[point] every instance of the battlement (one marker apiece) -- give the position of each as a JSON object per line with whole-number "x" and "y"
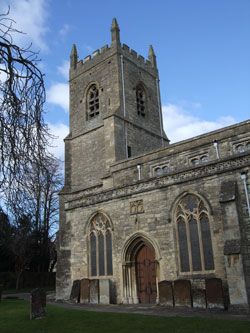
{"x": 91, "y": 60}
{"x": 139, "y": 59}
{"x": 107, "y": 51}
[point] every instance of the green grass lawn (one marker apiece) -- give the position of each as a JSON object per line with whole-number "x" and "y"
{"x": 14, "y": 318}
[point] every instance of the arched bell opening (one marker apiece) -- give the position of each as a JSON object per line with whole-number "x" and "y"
{"x": 140, "y": 272}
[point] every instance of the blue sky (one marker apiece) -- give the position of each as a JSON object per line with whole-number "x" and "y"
{"x": 202, "y": 48}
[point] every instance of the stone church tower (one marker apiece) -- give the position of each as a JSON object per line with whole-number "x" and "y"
{"x": 143, "y": 221}
{"x": 115, "y": 111}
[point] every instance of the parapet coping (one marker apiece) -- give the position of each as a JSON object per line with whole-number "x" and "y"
{"x": 173, "y": 148}
{"x": 98, "y": 54}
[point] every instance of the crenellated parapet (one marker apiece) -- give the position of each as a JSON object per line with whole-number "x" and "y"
{"x": 102, "y": 54}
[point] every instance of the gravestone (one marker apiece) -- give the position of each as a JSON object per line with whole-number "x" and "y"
{"x": 166, "y": 296}
{"x": 75, "y": 291}
{"x": 214, "y": 294}
{"x": 94, "y": 291}
{"x": 84, "y": 291}
{"x": 113, "y": 295}
{"x": 199, "y": 298}
{"x": 104, "y": 291}
{"x": 182, "y": 293}
{"x": 1, "y": 291}
{"x": 37, "y": 304}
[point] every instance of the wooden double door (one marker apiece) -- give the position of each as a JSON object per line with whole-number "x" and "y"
{"x": 146, "y": 275}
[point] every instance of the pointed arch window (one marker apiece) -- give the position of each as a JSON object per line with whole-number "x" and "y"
{"x": 93, "y": 101}
{"x": 193, "y": 235}
{"x": 100, "y": 246}
{"x": 140, "y": 101}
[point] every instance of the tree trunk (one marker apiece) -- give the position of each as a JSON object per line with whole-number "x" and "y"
{"x": 19, "y": 274}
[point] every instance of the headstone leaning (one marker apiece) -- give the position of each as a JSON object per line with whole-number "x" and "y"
{"x": 75, "y": 291}
{"x": 214, "y": 294}
{"x": 166, "y": 296}
{"x": 37, "y": 304}
{"x": 182, "y": 293}
{"x": 84, "y": 291}
{"x": 1, "y": 291}
{"x": 94, "y": 291}
{"x": 104, "y": 291}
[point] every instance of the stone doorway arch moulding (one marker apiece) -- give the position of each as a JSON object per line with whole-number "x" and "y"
{"x": 130, "y": 249}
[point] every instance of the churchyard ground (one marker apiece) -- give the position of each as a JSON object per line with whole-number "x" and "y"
{"x": 14, "y": 318}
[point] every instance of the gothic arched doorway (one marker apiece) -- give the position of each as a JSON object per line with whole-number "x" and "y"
{"x": 145, "y": 268}
{"x": 140, "y": 271}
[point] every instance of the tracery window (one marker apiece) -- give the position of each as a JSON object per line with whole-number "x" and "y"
{"x": 193, "y": 235}
{"x": 161, "y": 170}
{"x": 92, "y": 101}
{"x": 140, "y": 101}
{"x": 100, "y": 246}
{"x": 242, "y": 147}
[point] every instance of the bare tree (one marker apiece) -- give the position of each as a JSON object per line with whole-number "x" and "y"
{"x": 37, "y": 197}
{"x": 23, "y": 132}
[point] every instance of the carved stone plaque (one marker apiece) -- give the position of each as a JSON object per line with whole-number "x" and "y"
{"x": 214, "y": 294}
{"x": 136, "y": 207}
{"x": 182, "y": 293}
{"x": 104, "y": 288}
{"x": 84, "y": 291}
{"x": 94, "y": 291}
{"x": 199, "y": 298}
{"x": 166, "y": 296}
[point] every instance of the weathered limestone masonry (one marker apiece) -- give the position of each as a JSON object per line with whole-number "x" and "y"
{"x": 137, "y": 211}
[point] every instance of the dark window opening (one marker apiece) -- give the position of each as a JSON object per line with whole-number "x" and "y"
{"x": 129, "y": 151}
{"x": 92, "y": 101}
{"x": 140, "y": 101}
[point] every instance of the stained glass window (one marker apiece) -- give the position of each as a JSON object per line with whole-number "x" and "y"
{"x": 101, "y": 253}
{"x": 109, "y": 253}
{"x": 195, "y": 246}
{"x": 93, "y": 254}
{"x": 183, "y": 246}
{"x": 100, "y": 239}
{"x": 194, "y": 236}
{"x": 207, "y": 242}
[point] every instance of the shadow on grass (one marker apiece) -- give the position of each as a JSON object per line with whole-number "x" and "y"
{"x": 14, "y": 318}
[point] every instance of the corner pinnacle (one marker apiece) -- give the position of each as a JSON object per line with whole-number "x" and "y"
{"x": 73, "y": 56}
{"x": 115, "y": 32}
{"x": 152, "y": 56}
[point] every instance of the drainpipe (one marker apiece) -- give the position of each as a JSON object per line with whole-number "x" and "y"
{"x": 124, "y": 108}
{"x": 159, "y": 109}
{"x": 139, "y": 171}
{"x": 243, "y": 176}
{"x": 216, "y": 148}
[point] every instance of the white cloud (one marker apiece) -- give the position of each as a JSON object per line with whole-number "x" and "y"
{"x": 180, "y": 124}
{"x": 31, "y": 18}
{"x": 60, "y": 131}
{"x": 64, "y": 69}
{"x": 58, "y": 94}
{"x": 63, "y": 32}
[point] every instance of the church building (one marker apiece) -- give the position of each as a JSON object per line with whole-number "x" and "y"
{"x": 154, "y": 220}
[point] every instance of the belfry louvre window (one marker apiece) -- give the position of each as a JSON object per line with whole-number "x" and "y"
{"x": 100, "y": 246}
{"x": 140, "y": 101}
{"x": 93, "y": 101}
{"x": 193, "y": 235}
